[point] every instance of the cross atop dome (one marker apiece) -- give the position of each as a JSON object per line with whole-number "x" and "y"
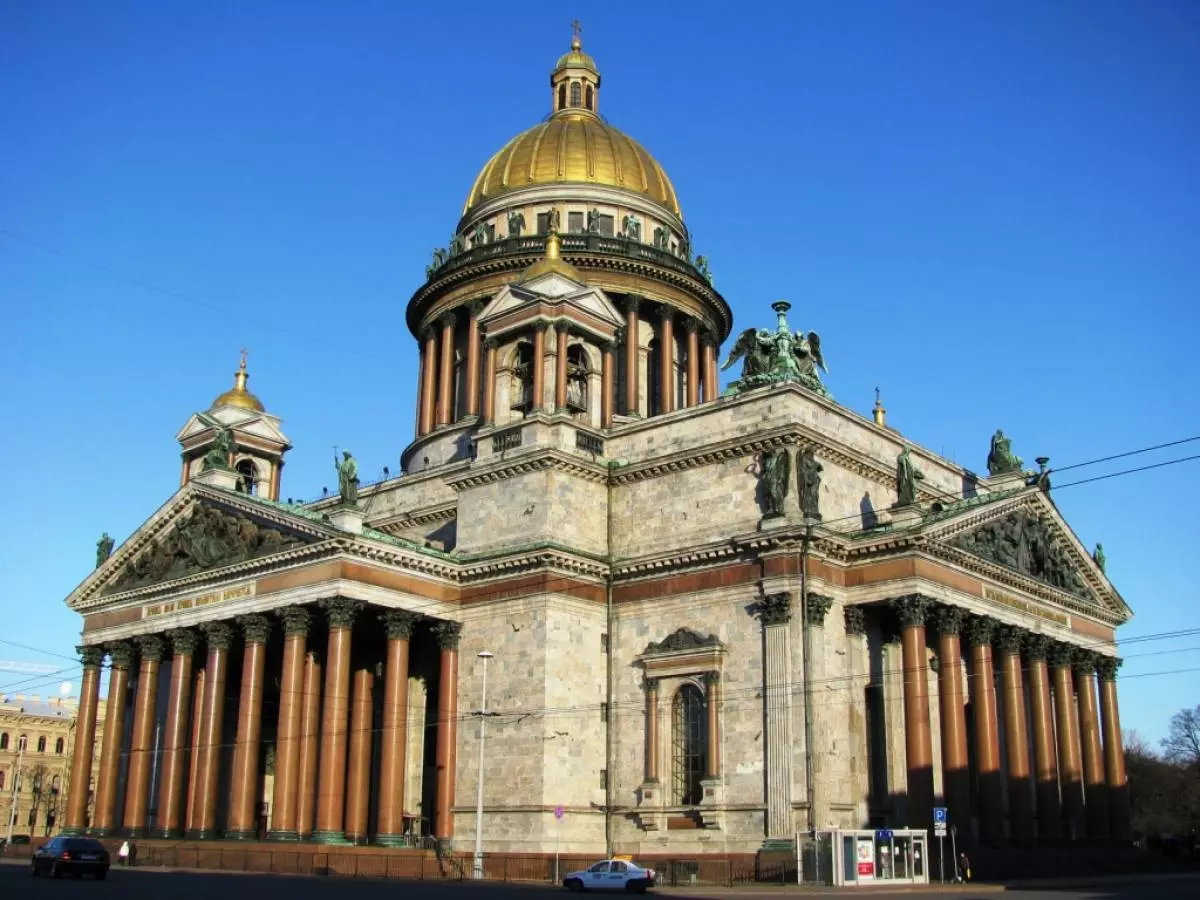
{"x": 575, "y": 80}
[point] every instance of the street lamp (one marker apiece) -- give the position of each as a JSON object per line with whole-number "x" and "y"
{"x": 478, "y": 867}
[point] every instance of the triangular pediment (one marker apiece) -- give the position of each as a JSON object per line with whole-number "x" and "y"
{"x": 555, "y": 290}
{"x": 201, "y": 530}
{"x": 1025, "y": 533}
{"x": 240, "y": 421}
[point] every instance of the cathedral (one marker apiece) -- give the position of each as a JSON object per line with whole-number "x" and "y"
{"x": 606, "y": 603}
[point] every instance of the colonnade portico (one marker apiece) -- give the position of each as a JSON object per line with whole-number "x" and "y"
{"x": 323, "y": 733}
{"x": 1065, "y": 773}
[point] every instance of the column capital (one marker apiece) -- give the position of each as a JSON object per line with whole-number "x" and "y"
{"x": 296, "y": 619}
{"x": 151, "y": 647}
{"x": 218, "y": 634}
{"x": 775, "y": 609}
{"x": 448, "y": 634}
{"x": 650, "y": 683}
{"x": 888, "y": 632}
{"x": 632, "y": 302}
{"x": 1084, "y": 662}
{"x": 1106, "y": 667}
{"x": 708, "y": 335}
{"x": 1009, "y": 639}
{"x": 949, "y": 619}
{"x": 399, "y": 623}
{"x": 911, "y": 609}
{"x": 475, "y": 307}
{"x": 184, "y": 641}
{"x": 817, "y": 608}
{"x": 979, "y": 630}
{"x": 1061, "y": 654}
{"x": 1036, "y": 646}
{"x": 691, "y": 324}
{"x": 427, "y": 331}
{"x": 90, "y": 657}
{"x": 856, "y": 620}
{"x": 666, "y": 312}
{"x": 448, "y": 318}
{"x": 341, "y": 611}
{"x": 122, "y": 654}
{"x": 491, "y": 343}
{"x": 712, "y": 677}
{"x": 256, "y": 628}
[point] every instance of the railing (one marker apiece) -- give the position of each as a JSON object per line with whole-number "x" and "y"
{"x": 589, "y": 443}
{"x": 506, "y": 440}
{"x": 571, "y": 244}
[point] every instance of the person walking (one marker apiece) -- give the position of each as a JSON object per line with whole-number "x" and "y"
{"x": 123, "y": 854}
{"x": 964, "y": 868}
{"x": 132, "y": 854}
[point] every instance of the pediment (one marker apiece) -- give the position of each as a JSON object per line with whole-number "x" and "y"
{"x": 683, "y": 639}
{"x": 553, "y": 290}
{"x": 242, "y": 422}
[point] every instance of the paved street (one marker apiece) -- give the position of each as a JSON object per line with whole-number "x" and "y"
{"x": 16, "y": 884}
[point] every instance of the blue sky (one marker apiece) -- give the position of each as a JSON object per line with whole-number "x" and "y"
{"x": 992, "y": 211}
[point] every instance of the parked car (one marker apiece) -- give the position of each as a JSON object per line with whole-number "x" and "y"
{"x": 611, "y": 875}
{"x": 76, "y": 856}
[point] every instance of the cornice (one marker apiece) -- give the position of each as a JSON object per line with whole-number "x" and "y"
{"x": 537, "y": 459}
{"x": 532, "y": 559}
{"x": 412, "y": 518}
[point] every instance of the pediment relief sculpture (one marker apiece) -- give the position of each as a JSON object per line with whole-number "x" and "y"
{"x": 1025, "y": 543}
{"x": 205, "y": 539}
{"x": 684, "y": 639}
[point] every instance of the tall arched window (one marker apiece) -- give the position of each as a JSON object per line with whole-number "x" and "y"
{"x": 58, "y": 746}
{"x": 591, "y": 98}
{"x": 2, "y": 776}
{"x": 576, "y": 99}
{"x": 520, "y": 392}
{"x": 577, "y": 379}
{"x": 689, "y": 751}
{"x": 4, "y": 741}
{"x": 41, "y": 744}
{"x": 562, "y": 96}
{"x": 247, "y": 477}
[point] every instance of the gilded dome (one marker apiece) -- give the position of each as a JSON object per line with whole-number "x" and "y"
{"x": 238, "y": 395}
{"x": 576, "y": 57}
{"x": 574, "y": 147}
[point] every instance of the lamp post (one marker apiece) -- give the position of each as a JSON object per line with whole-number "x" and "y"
{"x": 478, "y": 867}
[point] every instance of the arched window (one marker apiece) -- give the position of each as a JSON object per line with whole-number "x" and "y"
{"x": 58, "y": 746}
{"x": 4, "y": 741}
{"x": 591, "y": 98}
{"x": 2, "y": 776}
{"x": 22, "y": 743}
{"x": 55, "y": 785}
{"x": 562, "y": 95}
{"x": 41, "y": 744}
{"x": 521, "y": 390}
{"x": 689, "y": 731}
{"x": 247, "y": 477}
{"x": 577, "y": 379}
{"x": 576, "y": 100}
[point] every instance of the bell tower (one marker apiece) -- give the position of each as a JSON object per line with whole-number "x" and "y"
{"x": 238, "y": 432}
{"x": 575, "y": 81}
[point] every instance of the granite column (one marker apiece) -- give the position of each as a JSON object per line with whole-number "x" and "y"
{"x": 284, "y": 827}
{"x": 1045, "y": 761}
{"x": 448, "y": 635}
{"x": 141, "y": 749}
{"x": 394, "y": 738}
{"x": 912, "y": 610}
{"x": 331, "y": 778}
{"x": 1070, "y": 771}
{"x": 122, "y": 654}
{"x": 220, "y": 636}
{"x": 174, "y": 759}
{"x": 1095, "y": 789}
{"x": 78, "y": 788}
{"x": 244, "y": 789}
{"x": 980, "y": 630}
{"x": 956, "y": 764}
{"x": 1016, "y": 738}
{"x": 1114, "y": 750}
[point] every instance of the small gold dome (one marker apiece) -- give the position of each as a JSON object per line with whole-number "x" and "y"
{"x": 238, "y": 396}
{"x": 552, "y": 262}
{"x": 574, "y": 146}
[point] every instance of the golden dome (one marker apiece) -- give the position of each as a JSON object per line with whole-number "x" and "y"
{"x": 238, "y": 395}
{"x": 579, "y": 147}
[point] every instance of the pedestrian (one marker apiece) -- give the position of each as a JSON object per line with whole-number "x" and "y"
{"x": 132, "y": 854}
{"x": 964, "y": 868}
{"x": 123, "y": 854}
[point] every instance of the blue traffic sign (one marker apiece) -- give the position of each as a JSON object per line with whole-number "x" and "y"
{"x": 939, "y": 815}
{"x": 883, "y": 834}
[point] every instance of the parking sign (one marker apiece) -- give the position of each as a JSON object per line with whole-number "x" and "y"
{"x": 939, "y": 815}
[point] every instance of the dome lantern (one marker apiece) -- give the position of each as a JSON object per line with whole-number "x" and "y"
{"x": 575, "y": 81}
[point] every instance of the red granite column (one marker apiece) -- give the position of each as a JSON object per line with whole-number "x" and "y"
{"x": 1016, "y": 739}
{"x": 284, "y": 827}
{"x": 193, "y": 785}
{"x": 652, "y": 731}
{"x": 428, "y": 402}
{"x": 310, "y": 725}
{"x": 220, "y": 636}
{"x": 331, "y": 776}
{"x": 607, "y": 376}
{"x": 141, "y": 744}
{"x": 666, "y": 359}
{"x": 632, "y": 356}
{"x": 956, "y": 764}
{"x": 1070, "y": 771}
{"x": 1045, "y": 762}
{"x": 104, "y": 820}
{"x": 987, "y": 733}
{"x": 472, "y": 380}
{"x": 393, "y": 747}
{"x": 1114, "y": 751}
{"x": 560, "y": 366}
{"x": 91, "y": 658}
{"x": 1096, "y": 791}
{"x": 711, "y": 379}
{"x": 448, "y": 636}
{"x": 489, "y": 382}
{"x": 244, "y": 791}
{"x": 445, "y": 401}
{"x": 538, "y": 380}
{"x": 912, "y": 610}
{"x": 358, "y": 763}
{"x": 693, "y": 361}
{"x": 174, "y": 742}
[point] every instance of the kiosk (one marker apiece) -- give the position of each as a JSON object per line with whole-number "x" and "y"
{"x": 883, "y": 856}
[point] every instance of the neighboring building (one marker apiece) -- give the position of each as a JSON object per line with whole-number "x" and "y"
{"x": 708, "y": 611}
{"x": 39, "y": 777}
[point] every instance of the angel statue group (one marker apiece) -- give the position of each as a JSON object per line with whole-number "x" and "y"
{"x": 774, "y": 356}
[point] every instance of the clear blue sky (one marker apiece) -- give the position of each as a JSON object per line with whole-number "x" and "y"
{"x": 990, "y": 210}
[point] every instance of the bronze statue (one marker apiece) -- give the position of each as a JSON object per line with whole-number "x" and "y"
{"x": 1001, "y": 460}
{"x": 593, "y": 221}
{"x": 555, "y": 220}
{"x": 1100, "y": 559}
{"x": 662, "y": 238}
{"x": 104, "y": 548}
{"x": 808, "y": 476}
{"x": 753, "y": 346}
{"x": 907, "y": 476}
{"x": 218, "y": 454}
{"x": 347, "y": 471}
{"x": 775, "y": 356}
{"x": 776, "y": 466}
{"x": 479, "y": 235}
{"x": 516, "y": 223}
{"x": 702, "y": 268}
{"x": 631, "y": 228}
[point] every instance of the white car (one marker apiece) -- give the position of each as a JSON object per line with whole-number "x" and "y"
{"x": 611, "y": 875}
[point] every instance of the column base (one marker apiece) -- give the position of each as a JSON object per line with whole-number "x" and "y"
{"x": 202, "y": 834}
{"x": 241, "y": 835}
{"x": 137, "y": 832}
{"x": 283, "y": 835}
{"x": 393, "y": 840}
{"x": 73, "y": 831}
{"x": 329, "y": 837}
{"x": 712, "y": 802}
{"x": 108, "y": 831}
{"x": 167, "y": 834}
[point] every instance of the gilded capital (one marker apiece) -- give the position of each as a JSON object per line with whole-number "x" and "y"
{"x": 296, "y": 619}
{"x": 151, "y": 647}
{"x": 1106, "y": 667}
{"x": 219, "y": 635}
{"x": 448, "y": 634}
{"x": 122, "y": 654}
{"x": 856, "y": 620}
{"x": 256, "y": 628}
{"x": 341, "y": 611}
{"x": 949, "y": 619}
{"x": 1009, "y": 639}
{"x": 399, "y": 623}
{"x": 817, "y": 607}
{"x": 776, "y": 609}
{"x": 184, "y": 641}
{"x": 911, "y": 609}
{"x": 90, "y": 657}
{"x": 1036, "y": 646}
{"x": 979, "y": 630}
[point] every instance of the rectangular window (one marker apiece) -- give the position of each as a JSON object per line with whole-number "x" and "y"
{"x": 575, "y": 223}
{"x": 606, "y": 225}
{"x": 543, "y": 223}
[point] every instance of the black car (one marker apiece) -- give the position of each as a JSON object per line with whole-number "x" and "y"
{"x": 74, "y": 855}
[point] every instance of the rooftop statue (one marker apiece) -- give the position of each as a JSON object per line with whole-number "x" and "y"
{"x": 104, "y": 548}
{"x": 907, "y": 477}
{"x": 1100, "y": 559}
{"x": 218, "y": 454}
{"x": 782, "y": 355}
{"x": 1001, "y": 460}
{"x": 347, "y": 471}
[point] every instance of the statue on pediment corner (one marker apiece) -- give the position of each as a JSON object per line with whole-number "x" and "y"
{"x": 1099, "y": 558}
{"x": 221, "y": 450}
{"x": 1001, "y": 460}
{"x": 104, "y": 548}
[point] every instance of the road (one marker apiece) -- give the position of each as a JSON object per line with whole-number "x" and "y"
{"x": 146, "y": 884}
